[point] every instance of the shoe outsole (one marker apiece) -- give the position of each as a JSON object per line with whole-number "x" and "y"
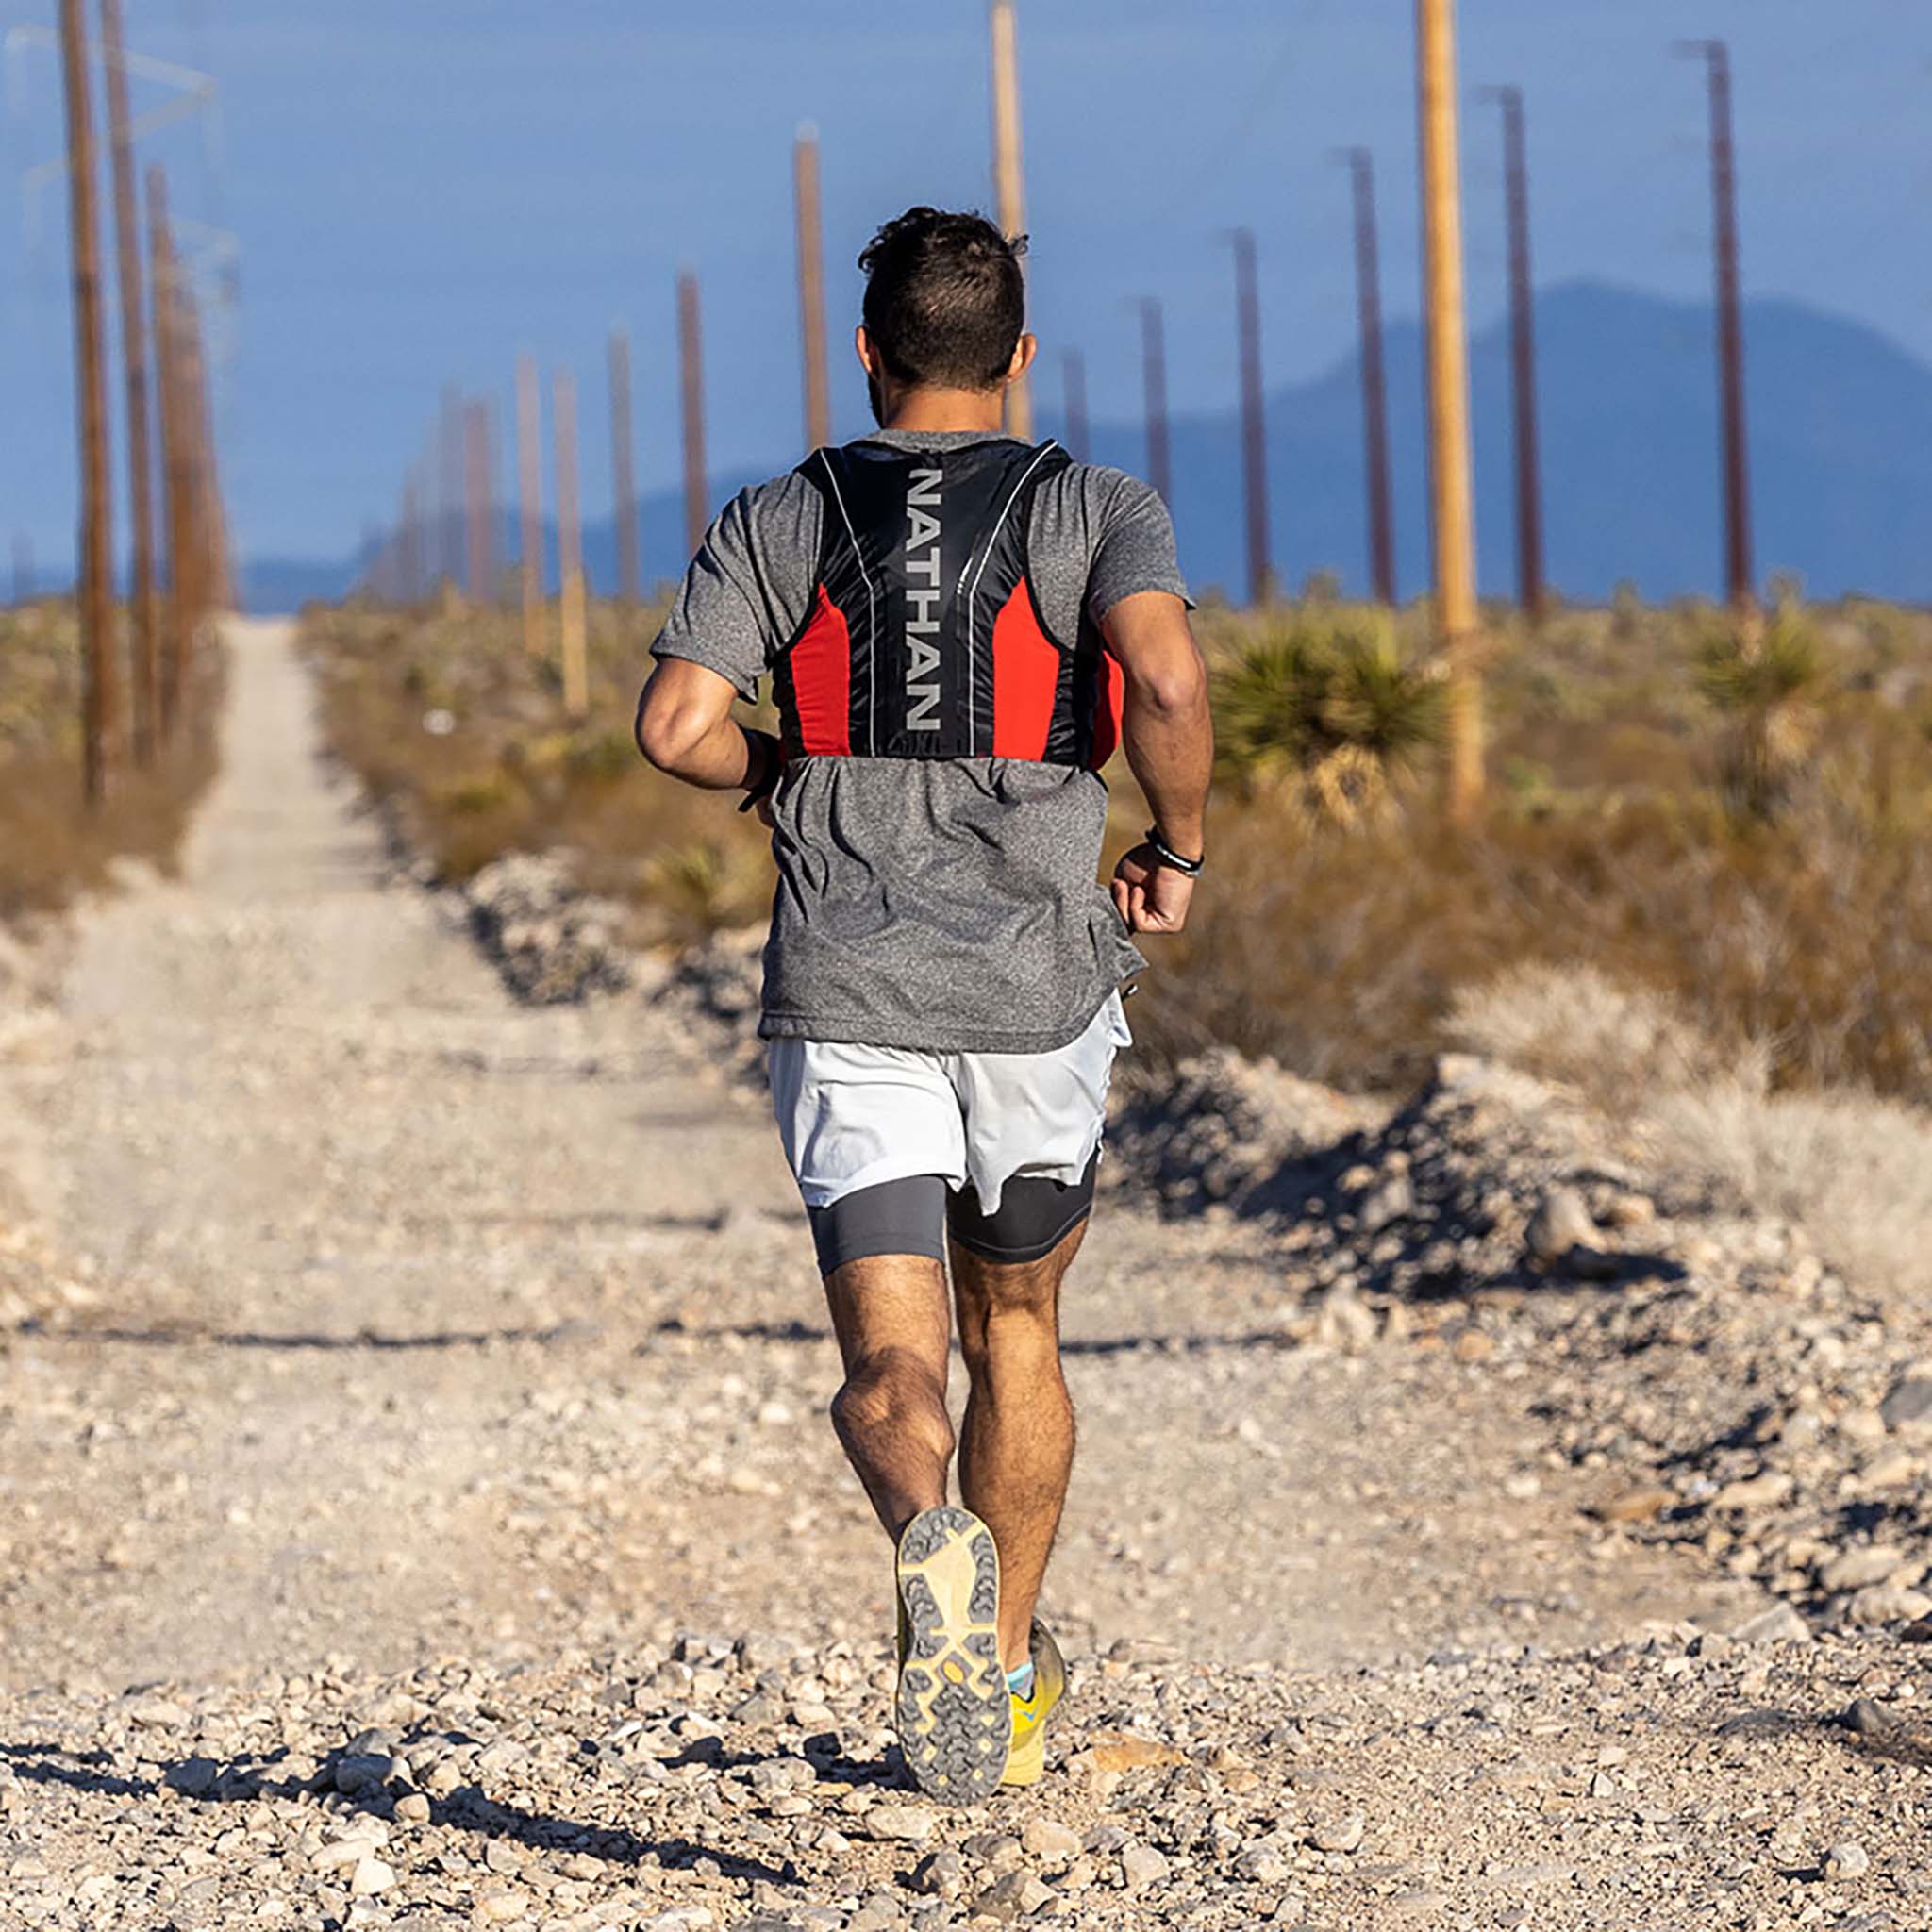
{"x": 954, "y": 1713}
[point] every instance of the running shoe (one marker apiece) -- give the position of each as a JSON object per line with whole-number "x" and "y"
{"x": 1026, "y": 1757}
{"x": 953, "y": 1710}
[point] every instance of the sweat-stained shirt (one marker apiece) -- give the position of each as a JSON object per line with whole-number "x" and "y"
{"x": 948, "y": 905}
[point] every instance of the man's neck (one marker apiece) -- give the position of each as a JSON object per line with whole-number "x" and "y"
{"x": 943, "y": 411}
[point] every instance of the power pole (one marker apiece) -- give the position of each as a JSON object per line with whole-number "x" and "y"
{"x": 23, "y": 568}
{"x": 1153, "y": 382}
{"x": 1008, "y": 173}
{"x": 481, "y": 510}
{"x": 1368, "y": 281}
{"x": 210, "y": 523}
{"x": 1739, "y": 577}
{"x": 690, "y": 366}
{"x": 145, "y": 612}
{"x": 630, "y": 571}
{"x": 178, "y": 497}
{"x": 1073, "y": 377}
{"x": 99, "y": 694}
{"x": 812, "y": 289}
{"x": 530, "y": 502}
{"x": 450, "y": 460}
{"x": 1253, "y": 419}
{"x": 409, "y": 544}
{"x": 570, "y": 548}
{"x": 1529, "y": 503}
{"x": 1453, "y": 521}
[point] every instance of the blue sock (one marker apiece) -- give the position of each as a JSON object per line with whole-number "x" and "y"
{"x": 1020, "y": 1682}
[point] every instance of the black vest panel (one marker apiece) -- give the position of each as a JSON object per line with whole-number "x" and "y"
{"x": 923, "y": 556}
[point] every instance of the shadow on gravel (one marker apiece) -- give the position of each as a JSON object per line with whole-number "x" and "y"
{"x": 49, "y": 1764}
{"x": 363, "y": 1338}
{"x": 465, "y": 1810}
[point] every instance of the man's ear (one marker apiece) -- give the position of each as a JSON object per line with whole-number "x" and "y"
{"x": 868, "y": 356}
{"x": 1024, "y": 352}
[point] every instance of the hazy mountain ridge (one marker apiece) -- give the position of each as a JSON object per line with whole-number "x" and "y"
{"x": 1840, "y": 461}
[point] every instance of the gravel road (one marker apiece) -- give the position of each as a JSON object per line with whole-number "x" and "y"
{"x": 425, "y": 1515}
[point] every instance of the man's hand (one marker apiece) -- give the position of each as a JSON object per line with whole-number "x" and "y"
{"x": 1150, "y": 896}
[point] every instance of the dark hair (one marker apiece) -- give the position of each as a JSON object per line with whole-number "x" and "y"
{"x": 945, "y": 298}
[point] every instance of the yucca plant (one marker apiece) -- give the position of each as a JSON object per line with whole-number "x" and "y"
{"x": 1329, "y": 712}
{"x": 1768, "y": 685}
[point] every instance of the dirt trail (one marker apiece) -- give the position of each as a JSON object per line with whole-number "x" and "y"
{"x": 426, "y": 1315}
{"x": 454, "y": 1368}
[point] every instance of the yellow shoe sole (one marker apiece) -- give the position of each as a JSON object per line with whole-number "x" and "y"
{"x": 953, "y": 1708}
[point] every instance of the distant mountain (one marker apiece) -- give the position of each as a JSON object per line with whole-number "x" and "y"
{"x": 1840, "y": 461}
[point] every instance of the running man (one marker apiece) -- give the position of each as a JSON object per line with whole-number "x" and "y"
{"x": 958, "y": 630}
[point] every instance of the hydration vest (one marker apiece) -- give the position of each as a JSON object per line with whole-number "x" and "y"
{"x": 924, "y": 638}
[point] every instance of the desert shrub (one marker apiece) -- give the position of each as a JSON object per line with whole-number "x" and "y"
{"x": 1329, "y": 712}
{"x": 1618, "y": 1044}
{"x": 461, "y": 733}
{"x": 1768, "y": 687}
{"x": 52, "y": 845}
{"x": 1854, "y": 1170}
{"x": 704, "y": 887}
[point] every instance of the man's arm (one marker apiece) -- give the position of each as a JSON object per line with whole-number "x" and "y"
{"x": 685, "y": 727}
{"x": 1169, "y": 736}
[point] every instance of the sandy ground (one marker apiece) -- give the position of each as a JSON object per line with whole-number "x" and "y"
{"x": 428, "y": 1327}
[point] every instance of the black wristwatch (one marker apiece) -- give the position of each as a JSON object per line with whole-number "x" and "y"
{"x": 1188, "y": 868}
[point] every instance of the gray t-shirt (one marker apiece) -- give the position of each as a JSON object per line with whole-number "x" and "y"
{"x": 950, "y": 905}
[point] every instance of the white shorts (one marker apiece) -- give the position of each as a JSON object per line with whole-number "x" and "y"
{"x": 852, "y": 1117}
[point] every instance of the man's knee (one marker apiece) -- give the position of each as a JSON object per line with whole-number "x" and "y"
{"x": 892, "y": 1393}
{"x": 1012, "y": 1310}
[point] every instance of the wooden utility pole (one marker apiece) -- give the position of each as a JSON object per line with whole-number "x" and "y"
{"x": 450, "y": 458}
{"x": 177, "y": 494}
{"x": 1254, "y": 419}
{"x": 1529, "y": 504}
{"x": 210, "y": 524}
{"x": 1010, "y": 175}
{"x": 812, "y": 289}
{"x": 1154, "y": 385}
{"x": 409, "y": 542}
{"x": 1739, "y": 576}
{"x": 1453, "y": 524}
{"x": 569, "y": 551}
{"x": 630, "y": 571}
{"x": 95, "y": 550}
{"x": 144, "y": 611}
{"x": 1073, "y": 379}
{"x": 691, "y": 369}
{"x": 480, "y": 510}
{"x": 1368, "y": 281}
{"x": 530, "y": 502}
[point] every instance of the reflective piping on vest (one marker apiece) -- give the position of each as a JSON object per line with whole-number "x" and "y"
{"x": 871, "y": 622}
{"x": 1045, "y": 450}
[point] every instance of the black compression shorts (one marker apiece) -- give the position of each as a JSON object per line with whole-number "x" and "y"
{"x": 913, "y": 1216}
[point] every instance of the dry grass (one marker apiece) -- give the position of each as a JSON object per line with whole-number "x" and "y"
{"x": 1617, "y": 1044}
{"x": 1795, "y": 931}
{"x": 1855, "y": 1172}
{"x": 51, "y": 846}
{"x": 462, "y": 734}
{"x": 1613, "y": 844}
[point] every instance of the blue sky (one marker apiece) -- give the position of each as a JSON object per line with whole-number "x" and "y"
{"x": 421, "y": 190}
